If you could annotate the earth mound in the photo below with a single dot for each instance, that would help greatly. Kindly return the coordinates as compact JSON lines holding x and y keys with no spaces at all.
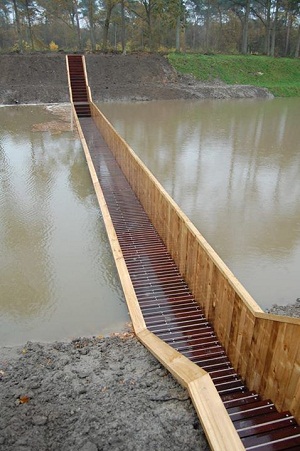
{"x":42,"y":78}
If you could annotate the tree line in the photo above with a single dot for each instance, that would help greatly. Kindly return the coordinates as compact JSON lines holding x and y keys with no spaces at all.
{"x":270,"y":27}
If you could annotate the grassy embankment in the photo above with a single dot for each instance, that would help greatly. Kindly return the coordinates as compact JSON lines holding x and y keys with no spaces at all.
{"x":280,"y":75}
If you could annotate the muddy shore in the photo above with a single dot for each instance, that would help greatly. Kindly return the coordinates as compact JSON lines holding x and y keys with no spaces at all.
{"x":92,"y":394}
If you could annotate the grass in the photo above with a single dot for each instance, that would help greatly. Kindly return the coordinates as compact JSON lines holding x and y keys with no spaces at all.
{"x":280,"y":75}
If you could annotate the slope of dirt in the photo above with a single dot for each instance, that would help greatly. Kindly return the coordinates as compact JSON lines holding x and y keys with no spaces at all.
{"x":33,"y":79}
{"x":42,"y":78}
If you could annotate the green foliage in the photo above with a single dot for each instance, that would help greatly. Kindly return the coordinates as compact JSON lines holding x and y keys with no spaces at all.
{"x":280,"y":75}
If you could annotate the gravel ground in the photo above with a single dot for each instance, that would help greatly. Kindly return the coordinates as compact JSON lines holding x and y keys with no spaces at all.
{"x":92,"y":394}
{"x":286,"y":310}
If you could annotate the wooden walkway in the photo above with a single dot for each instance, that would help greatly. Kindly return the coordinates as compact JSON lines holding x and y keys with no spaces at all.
{"x":169,"y":308}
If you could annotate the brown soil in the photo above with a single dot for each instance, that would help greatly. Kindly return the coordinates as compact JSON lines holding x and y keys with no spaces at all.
{"x":41,"y":78}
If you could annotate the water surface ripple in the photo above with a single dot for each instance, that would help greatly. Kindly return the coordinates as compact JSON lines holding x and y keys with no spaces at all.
{"x":57,"y":275}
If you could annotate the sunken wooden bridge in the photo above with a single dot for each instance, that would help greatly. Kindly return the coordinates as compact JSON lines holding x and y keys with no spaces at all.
{"x":240,"y":365}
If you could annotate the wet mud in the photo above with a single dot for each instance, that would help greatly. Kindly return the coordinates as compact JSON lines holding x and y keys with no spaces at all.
{"x":92,"y":394}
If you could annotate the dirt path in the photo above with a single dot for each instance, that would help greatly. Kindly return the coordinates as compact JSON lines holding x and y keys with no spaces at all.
{"x":40,"y":78}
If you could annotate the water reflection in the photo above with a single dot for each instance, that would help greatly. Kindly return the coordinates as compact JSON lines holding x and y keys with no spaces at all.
{"x":57,"y":276}
{"x":234,"y":168}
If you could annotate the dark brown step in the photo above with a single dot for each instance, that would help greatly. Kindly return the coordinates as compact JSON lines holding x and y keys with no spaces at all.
{"x":240,"y":399}
{"x":278,"y":439}
{"x":80,"y":99}
{"x":257,"y":408}
{"x":264,"y":423}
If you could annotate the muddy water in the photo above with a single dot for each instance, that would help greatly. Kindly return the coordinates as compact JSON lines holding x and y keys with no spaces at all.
{"x":234,"y":168}
{"x":57,"y":275}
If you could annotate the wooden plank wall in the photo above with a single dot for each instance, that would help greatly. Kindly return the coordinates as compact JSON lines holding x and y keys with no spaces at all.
{"x":264,"y":349}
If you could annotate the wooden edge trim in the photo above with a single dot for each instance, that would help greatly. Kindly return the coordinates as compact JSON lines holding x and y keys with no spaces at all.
{"x":227,"y":273}
{"x":216,"y":423}
{"x":180,"y":366}
{"x":86,"y":79}
{"x":278,"y":318}
{"x":129,"y":293}
{"x":69,"y":81}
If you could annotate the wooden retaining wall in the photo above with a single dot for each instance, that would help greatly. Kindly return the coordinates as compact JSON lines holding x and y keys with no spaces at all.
{"x":264,"y":349}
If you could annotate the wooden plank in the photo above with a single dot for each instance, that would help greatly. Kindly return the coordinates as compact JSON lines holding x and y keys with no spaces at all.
{"x":179,"y":366}
{"x":237,"y":332}
{"x":263,"y":335}
{"x":284,"y":355}
{"x":208,"y":275}
{"x":292,"y":399}
{"x":191,"y":259}
{"x":86,"y":78}
{"x":182,"y":244}
{"x":69,"y":81}
{"x":198,"y":274}
{"x":278,"y":318}
{"x":199,"y":278}
{"x":224,"y":311}
{"x":212,"y":414}
{"x":246,"y":342}
{"x":279,"y":357}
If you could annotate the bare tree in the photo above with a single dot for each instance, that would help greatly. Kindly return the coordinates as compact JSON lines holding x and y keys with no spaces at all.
{"x":123,"y":29}
{"x":17,"y":19}
{"x":298,"y":43}
{"x":109,"y":6}
{"x":28,"y":11}
{"x":274,"y":26}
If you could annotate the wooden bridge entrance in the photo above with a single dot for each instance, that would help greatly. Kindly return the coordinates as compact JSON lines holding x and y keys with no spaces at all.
{"x":162,"y":305}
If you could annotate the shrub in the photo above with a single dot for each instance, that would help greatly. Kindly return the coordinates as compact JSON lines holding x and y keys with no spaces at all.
{"x":53,"y":47}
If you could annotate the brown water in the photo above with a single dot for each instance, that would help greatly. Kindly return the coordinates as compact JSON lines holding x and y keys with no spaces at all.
{"x":234,"y":168}
{"x":57,"y":275}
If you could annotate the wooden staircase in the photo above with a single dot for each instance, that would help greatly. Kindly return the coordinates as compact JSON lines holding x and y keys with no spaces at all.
{"x":79,"y":89}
